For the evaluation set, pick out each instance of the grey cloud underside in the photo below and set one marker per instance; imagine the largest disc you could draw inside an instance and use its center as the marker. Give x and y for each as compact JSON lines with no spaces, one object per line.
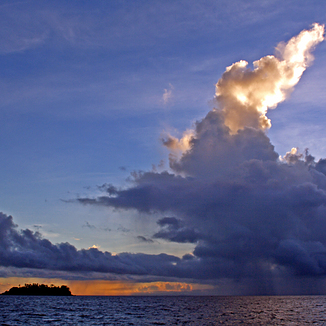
{"x":27,"y":249}
{"x":144,"y":239}
{"x":249,"y":213}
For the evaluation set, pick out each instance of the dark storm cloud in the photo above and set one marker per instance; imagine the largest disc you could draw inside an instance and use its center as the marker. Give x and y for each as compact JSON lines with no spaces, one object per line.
{"x":175,"y":230}
{"x":250,"y":214}
{"x":27,"y":249}
{"x":259,"y":220}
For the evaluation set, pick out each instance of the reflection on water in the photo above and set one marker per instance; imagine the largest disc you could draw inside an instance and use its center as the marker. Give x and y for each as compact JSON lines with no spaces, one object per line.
{"x":287,"y":310}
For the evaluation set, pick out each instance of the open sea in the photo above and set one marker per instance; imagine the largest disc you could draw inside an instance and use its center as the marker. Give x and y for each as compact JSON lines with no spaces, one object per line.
{"x":163,"y":310}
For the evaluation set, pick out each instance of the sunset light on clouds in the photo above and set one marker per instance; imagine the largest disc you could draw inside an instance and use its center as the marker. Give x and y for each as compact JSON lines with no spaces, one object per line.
{"x":143,"y":154}
{"x":108,"y":288}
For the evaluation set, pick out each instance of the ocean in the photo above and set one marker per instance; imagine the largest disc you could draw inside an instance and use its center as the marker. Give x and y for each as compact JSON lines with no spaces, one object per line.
{"x":163,"y":310}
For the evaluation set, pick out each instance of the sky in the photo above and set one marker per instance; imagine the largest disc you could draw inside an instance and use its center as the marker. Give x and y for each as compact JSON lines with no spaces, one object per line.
{"x":153,"y":147}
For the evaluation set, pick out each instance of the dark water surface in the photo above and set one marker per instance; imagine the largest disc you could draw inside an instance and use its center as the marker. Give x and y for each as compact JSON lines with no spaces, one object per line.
{"x":287,"y":310}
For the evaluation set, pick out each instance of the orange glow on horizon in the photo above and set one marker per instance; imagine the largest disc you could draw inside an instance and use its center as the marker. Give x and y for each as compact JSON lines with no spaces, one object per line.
{"x":109,"y":288}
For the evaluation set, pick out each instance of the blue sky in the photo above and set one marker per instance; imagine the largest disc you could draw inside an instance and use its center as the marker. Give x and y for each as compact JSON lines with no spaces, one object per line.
{"x":83,"y":104}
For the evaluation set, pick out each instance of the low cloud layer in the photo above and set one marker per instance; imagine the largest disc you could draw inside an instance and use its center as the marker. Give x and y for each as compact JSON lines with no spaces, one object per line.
{"x":254,"y":217}
{"x":28,"y":249}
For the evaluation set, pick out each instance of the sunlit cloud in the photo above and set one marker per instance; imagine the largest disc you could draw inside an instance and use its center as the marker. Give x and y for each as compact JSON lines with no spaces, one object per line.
{"x":178,"y":146}
{"x":245,"y":95}
{"x":94,"y":247}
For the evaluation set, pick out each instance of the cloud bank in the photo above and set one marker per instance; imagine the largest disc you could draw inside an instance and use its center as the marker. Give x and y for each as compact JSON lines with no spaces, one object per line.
{"x":27,"y":249}
{"x":256,"y":219}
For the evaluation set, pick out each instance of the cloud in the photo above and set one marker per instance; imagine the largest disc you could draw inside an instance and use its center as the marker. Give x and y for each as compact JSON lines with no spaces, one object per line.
{"x":123,"y":229}
{"x":175,"y":230}
{"x":106,"y":229}
{"x":251,"y":214}
{"x":93,"y":227}
{"x":21,"y":30}
{"x":37,"y":227}
{"x":94,"y":247}
{"x":178,"y":146}
{"x":256,"y":219}
{"x":89,"y":226}
{"x":144,"y":239}
{"x":27,"y":249}
{"x":165,"y":287}
{"x":245,"y":95}
{"x":167,"y":96}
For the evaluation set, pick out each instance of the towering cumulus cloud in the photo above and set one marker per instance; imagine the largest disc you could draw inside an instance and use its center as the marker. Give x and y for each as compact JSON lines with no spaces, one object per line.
{"x":245,"y":95}
{"x":257,"y":221}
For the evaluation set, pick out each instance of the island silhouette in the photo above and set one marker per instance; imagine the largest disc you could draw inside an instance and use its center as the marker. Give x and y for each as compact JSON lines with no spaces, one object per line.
{"x":39,"y":289}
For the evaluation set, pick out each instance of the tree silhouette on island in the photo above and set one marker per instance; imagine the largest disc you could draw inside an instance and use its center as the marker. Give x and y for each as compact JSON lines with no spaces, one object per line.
{"x":39,"y":289}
